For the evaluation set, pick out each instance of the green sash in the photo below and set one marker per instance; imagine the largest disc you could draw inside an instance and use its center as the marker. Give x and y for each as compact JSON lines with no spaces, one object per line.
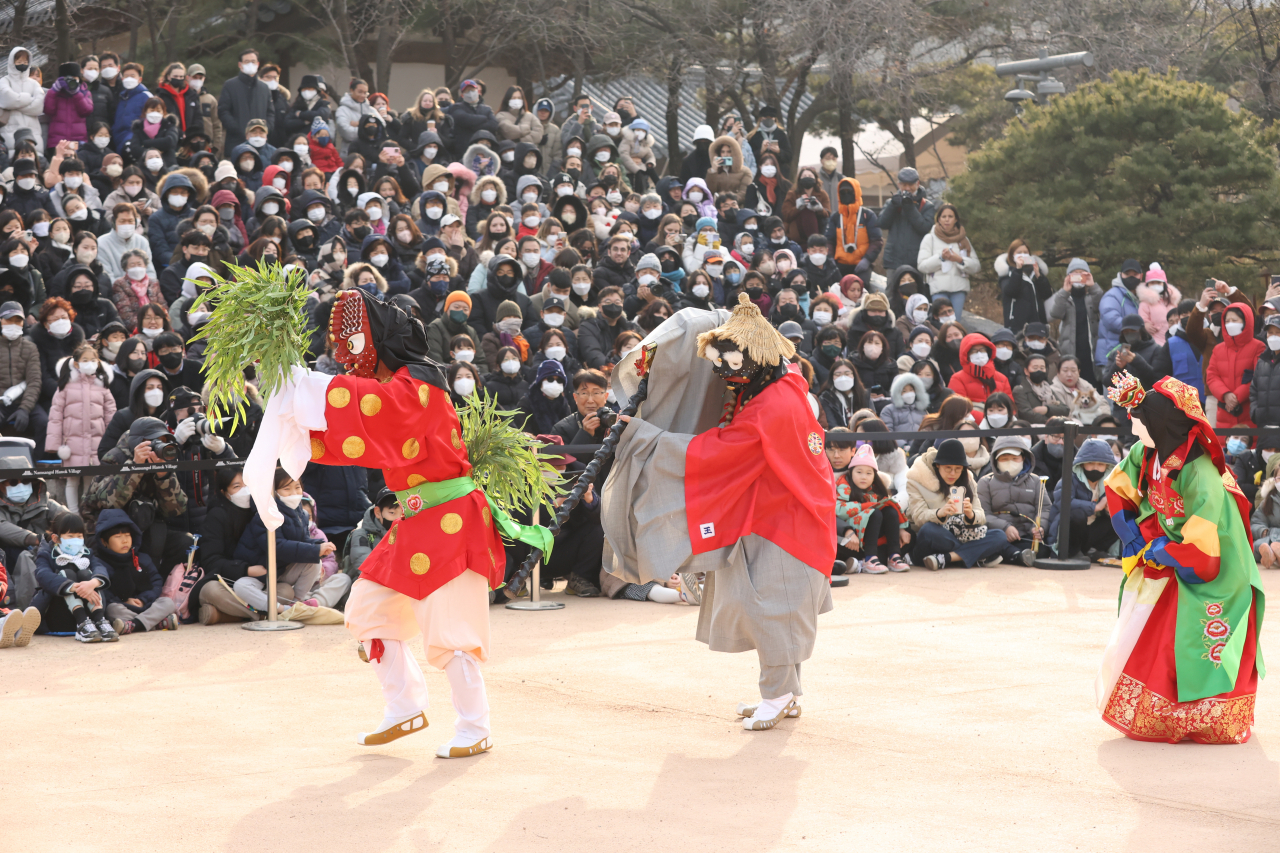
{"x":434,"y":494}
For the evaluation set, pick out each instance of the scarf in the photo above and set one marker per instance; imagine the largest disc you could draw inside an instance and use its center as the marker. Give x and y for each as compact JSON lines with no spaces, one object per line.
{"x":954,"y":235}
{"x":985,"y":374}
{"x":1044,"y":391}
{"x":150,"y":129}
{"x":179,"y":98}
{"x":139,"y":289}
{"x":80,"y":562}
{"x":770,"y":188}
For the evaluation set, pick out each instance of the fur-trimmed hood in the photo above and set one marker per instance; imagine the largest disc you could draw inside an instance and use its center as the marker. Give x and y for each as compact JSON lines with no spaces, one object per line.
{"x":900,"y":384}
{"x":489,"y":181}
{"x":352,"y":272}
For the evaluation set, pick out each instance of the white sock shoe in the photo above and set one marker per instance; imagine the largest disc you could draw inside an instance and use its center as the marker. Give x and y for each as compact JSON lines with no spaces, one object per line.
{"x":405,"y":690}
{"x":471,"y":701}
{"x":768,"y":713}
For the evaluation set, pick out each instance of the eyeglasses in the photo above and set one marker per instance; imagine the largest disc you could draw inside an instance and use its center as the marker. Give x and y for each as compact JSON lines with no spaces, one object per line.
{"x":592,"y":393}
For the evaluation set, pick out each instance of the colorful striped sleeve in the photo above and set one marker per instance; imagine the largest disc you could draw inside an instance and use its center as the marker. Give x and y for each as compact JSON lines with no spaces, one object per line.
{"x":1195,"y":554}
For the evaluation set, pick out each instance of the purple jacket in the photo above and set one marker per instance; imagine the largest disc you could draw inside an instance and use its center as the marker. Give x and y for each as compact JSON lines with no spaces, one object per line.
{"x":67,"y":113}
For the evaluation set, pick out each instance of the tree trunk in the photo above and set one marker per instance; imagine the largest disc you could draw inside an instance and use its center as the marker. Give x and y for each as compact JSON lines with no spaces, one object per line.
{"x":847,"y":128}
{"x":674,"y":158}
{"x":251,"y":22}
{"x":133,"y":39}
{"x":62,"y":29}
{"x":20,"y":22}
{"x":386,"y":44}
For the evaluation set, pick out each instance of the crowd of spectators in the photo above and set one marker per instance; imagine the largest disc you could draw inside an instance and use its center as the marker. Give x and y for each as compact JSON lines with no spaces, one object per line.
{"x":536,"y":254}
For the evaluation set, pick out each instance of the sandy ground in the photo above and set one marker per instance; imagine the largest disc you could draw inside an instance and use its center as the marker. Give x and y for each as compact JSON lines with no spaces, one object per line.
{"x":945,"y":712}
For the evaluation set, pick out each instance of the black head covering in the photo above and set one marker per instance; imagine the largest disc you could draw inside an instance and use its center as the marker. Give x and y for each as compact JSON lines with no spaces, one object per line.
{"x":401,"y":341}
{"x":1168,"y":425}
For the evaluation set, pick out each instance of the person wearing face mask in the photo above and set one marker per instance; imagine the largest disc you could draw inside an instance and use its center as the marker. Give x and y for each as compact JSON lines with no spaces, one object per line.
{"x":505,"y":332}
{"x":559,"y":284}
{"x":1264,"y":390}
{"x":1034,"y":397}
{"x":515,"y":120}
{"x":296,"y":551}
{"x":378,"y":519}
{"x":377,"y":250}
{"x":1012,"y":494}
{"x":453,"y":321}
{"x":78,"y":415}
{"x":909,"y":401}
{"x":769,"y":137}
{"x":1117,"y":303}
{"x":507,"y":385}
{"x":1265,"y":521}
{"x":67,"y":103}
{"x":487,"y":195}
{"x":843,"y":394}
{"x":1024,"y":286}
{"x":920,"y":341}
{"x":1035,"y":341}
{"x":93,"y":312}
{"x":225,"y":520}
{"x":470,"y":117}
{"x":504,"y":283}
{"x":905,"y":218}
{"x":1233,"y":365}
{"x":978,"y":378}
{"x":769,"y":187}
{"x":853,"y":231}
{"x":1137,"y":353}
{"x":23,"y":99}
{"x":546,"y":403}
{"x":1092,"y":533}
{"x":177,"y":197}
{"x":1005,"y":357}
{"x":914,"y":315}
{"x":597,"y":334}
{"x":27,"y":195}
{"x":244,"y":98}
{"x":135,"y":288}
{"x":1157,"y":296}
{"x":21,"y":381}
{"x":74,"y":182}
{"x":819,"y":268}
{"x":554,"y":316}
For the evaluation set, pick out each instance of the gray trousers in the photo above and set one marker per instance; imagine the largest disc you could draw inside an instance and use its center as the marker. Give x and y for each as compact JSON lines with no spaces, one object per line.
{"x":150,"y":618}
{"x":298,"y":582}
{"x":22,"y":580}
{"x":778,"y":681}
{"x":218,"y":596}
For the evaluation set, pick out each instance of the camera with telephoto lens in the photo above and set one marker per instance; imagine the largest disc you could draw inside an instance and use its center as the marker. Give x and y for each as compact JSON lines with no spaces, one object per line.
{"x":165,"y":447}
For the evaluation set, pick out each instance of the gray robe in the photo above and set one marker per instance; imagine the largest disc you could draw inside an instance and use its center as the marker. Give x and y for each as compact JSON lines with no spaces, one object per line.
{"x":756,"y":595}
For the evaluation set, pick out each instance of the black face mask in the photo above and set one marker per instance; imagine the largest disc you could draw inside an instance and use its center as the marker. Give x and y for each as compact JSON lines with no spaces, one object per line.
{"x":1131,"y":337}
{"x":807,"y":183}
{"x":304,"y":241}
{"x":789,"y":312}
{"x":1038,"y":377}
{"x":876,"y":320}
{"x":755,"y":292}
{"x":20,"y":67}
{"x":691,"y":220}
{"x":846,"y":195}
{"x":906,"y":287}
{"x":386,"y":523}
{"x":361,"y":231}
{"x":1094,"y":476}
{"x":1130,"y":281}
{"x":669,"y":264}
{"x":135,"y":365}
{"x":506,"y":280}
{"x":612,"y":310}
{"x":172,"y":360}
{"x":954,"y":345}
{"x":81,"y":299}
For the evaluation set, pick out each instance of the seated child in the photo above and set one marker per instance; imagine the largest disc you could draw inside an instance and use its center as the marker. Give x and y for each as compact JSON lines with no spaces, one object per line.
{"x":865,"y":515}
{"x":134,"y":602}
{"x":71,"y":590}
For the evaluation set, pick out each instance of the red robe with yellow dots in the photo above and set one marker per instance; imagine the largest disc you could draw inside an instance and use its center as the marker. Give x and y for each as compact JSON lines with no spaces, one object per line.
{"x":410,"y":430}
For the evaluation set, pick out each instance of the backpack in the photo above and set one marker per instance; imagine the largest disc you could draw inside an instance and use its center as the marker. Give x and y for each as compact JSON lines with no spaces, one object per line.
{"x":178,"y":587}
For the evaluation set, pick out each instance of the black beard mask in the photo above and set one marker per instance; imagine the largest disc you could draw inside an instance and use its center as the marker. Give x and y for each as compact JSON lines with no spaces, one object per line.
{"x":748,"y":370}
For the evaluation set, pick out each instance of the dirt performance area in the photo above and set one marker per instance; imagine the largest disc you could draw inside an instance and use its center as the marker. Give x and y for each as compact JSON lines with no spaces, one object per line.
{"x":943,"y":712}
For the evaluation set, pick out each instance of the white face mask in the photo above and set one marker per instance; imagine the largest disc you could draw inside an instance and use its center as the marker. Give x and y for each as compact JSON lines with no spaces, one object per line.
{"x":602,"y":156}
{"x":307,"y":94}
{"x":872,"y":351}
{"x":195,"y":84}
{"x":582,"y":288}
{"x":375,"y":214}
{"x":1003,"y":353}
{"x":511,"y":367}
{"x":463,"y":386}
{"x":102,"y":141}
{"x":555,"y":353}
{"x":435,"y":212}
{"x":508,"y":156}
{"x":531,"y":259}
{"x":19,"y":261}
{"x":270,"y":208}
{"x":125,"y":231}
{"x":315,"y":214}
{"x":301,"y":150}
{"x":573,"y":151}
{"x":612,"y":129}
{"x":272,"y":84}
{"x":151,"y":333}
{"x":404,"y":235}
{"x":843,"y":382}
{"x":1235,"y":328}
{"x":464,"y":355}
{"x":563,"y":190}
{"x":240,"y":498}
{"x":1273,"y":343}
{"x":488,"y":196}
{"x":11,"y":332}
{"x":178,"y":200}
{"x":715,"y":270}
{"x":768,"y":171}
{"x":701,"y":291}
{"x":79,"y":215}
{"x":26,"y":183}
{"x":822,"y":318}
{"x":532,"y":221}
{"x":291,"y":501}
{"x":695,"y":196}
{"x":110,"y":72}
{"x":928,"y":381}
{"x":90,"y":75}
{"x":1012,"y":467}
{"x":471,"y":96}
{"x":996,"y":420}
{"x":250,"y":68}
{"x":86,"y":256}
{"x":430,"y":152}
{"x":88,"y":368}
{"x":817,"y":260}
{"x":553,"y":320}
{"x":970,"y":445}
{"x":130,"y":82}
{"x":908,"y":398}
{"x":441,"y":186}
{"x":286,"y":166}
{"x":921,"y":349}
{"x":73,"y":182}
{"x":515,"y":103}
{"x":379,"y":260}
{"x":136,"y":273}
{"x":552,"y":389}
{"x":1036,"y":345}
{"x":154,"y":117}
{"x":920,"y":315}
{"x":979,"y":359}
{"x":613,"y":197}
{"x":257,"y":141}
{"x":153,"y":397}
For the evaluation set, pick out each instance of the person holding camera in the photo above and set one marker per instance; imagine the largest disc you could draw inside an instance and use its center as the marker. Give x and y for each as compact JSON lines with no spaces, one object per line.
{"x":196,"y":439}
{"x":594,"y":415}
{"x":154,"y":500}
{"x":905,"y":218}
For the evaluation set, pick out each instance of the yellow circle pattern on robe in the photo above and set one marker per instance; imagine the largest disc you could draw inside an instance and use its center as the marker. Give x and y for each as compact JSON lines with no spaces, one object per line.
{"x":493,"y":561}
{"x":415,"y":480}
{"x":420,"y":563}
{"x":424,"y":395}
{"x":484,"y":513}
{"x":317,"y":448}
{"x":370,"y":404}
{"x":453,"y":436}
{"x":339,"y":397}
{"x":411,"y":448}
{"x":451,"y":522}
{"x":391,"y":537}
{"x":353,"y":447}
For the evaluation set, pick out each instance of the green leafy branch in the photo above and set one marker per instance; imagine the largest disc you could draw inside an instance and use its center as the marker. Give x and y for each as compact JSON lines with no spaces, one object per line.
{"x":506,"y":462}
{"x":258,"y":317}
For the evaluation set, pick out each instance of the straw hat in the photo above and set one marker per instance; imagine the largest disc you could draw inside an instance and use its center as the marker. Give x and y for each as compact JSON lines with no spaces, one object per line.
{"x":752,"y":333}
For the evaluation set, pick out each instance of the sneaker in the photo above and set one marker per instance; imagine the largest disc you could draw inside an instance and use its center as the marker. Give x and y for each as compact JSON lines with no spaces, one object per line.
{"x":854,"y":566}
{"x":87,"y":632}
{"x":990,"y":561}
{"x":873,"y":566}
{"x":1027,"y":557}
{"x":108,"y":633}
{"x":897,"y":564}
{"x":839,"y":567}
{"x":312,"y":602}
{"x":168,"y":623}
{"x":124,"y":626}
{"x":9,"y":628}
{"x":581,"y":587}
{"x":934,"y":562}
{"x":690,"y":589}
{"x":30,"y":622}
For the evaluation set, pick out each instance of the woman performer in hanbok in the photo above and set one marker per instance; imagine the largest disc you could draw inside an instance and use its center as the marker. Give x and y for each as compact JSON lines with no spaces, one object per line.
{"x":1183,"y":661}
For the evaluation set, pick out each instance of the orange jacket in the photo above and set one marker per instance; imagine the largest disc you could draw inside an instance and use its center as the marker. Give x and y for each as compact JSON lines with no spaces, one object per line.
{"x":853,"y":225}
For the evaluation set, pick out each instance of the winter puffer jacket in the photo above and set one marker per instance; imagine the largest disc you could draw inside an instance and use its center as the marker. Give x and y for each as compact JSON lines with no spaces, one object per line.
{"x":1084,"y":495}
{"x":1116,"y":304}
{"x":67,"y":112}
{"x":1264,"y":390}
{"x":1023,"y":294}
{"x":926,"y":495}
{"x":1155,"y":307}
{"x":341,"y":495}
{"x":1265,"y":521}
{"x":1014,"y":500}
{"x":965,"y":381}
{"x":361,"y":542}
{"x":23,"y":99}
{"x":293,"y":539}
{"x":20,"y":362}
{"x":79,"y":416}
{"x":736,"y":178}
{"x":1232,"y":366}
{"x":900,"y":417}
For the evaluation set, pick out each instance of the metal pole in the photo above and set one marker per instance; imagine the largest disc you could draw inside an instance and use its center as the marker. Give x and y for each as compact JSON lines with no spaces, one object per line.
{"x":273,"y":622}
{"x":1063,"y":561}
{"x":535,"y":601}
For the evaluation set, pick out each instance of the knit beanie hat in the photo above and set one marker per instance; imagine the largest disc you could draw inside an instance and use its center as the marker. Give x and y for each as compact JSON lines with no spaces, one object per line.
{"x":1078,"y":264}
{"x":951,"y":452}
{"x":1156,"y":273}
{"x":649,"y":262}
{"x":864,"y":455}
{"x":457,"y":296}
{"x":507,"y":308}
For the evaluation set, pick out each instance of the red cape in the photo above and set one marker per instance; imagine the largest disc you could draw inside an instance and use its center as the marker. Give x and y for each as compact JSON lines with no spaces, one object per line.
{"x":765,"y":473}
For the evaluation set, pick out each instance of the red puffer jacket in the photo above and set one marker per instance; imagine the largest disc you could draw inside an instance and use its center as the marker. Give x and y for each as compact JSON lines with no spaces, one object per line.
{"x":1231,"y":367}
{"x":978,"y":383}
